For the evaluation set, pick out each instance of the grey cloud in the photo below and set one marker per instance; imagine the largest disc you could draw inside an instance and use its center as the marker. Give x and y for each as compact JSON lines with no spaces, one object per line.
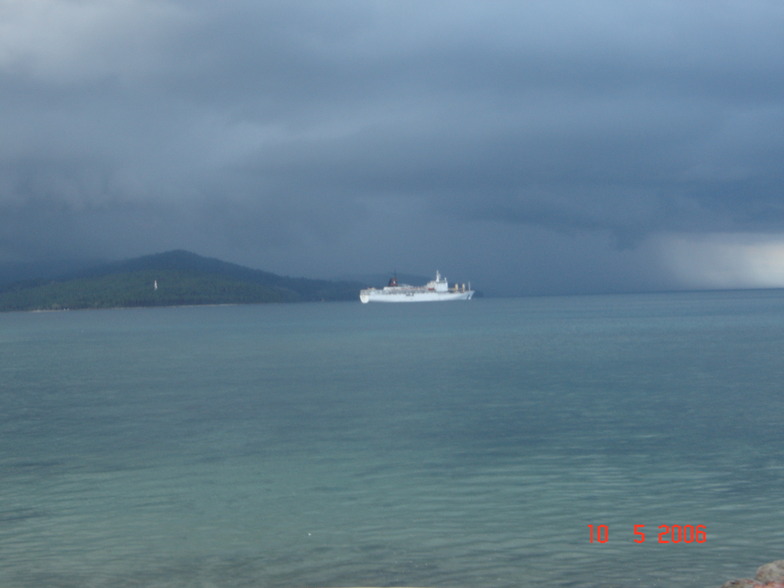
{"x":289,"y":136}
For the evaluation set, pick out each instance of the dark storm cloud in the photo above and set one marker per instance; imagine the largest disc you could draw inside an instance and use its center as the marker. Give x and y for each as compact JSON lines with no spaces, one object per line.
{"x":353,"y":136}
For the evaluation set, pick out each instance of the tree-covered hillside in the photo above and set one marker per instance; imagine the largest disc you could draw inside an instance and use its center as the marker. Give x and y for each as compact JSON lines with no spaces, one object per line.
{"x":168,"y":279}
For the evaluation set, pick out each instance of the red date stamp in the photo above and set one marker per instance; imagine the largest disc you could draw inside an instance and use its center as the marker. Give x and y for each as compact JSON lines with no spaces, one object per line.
{"x":666,"y":533}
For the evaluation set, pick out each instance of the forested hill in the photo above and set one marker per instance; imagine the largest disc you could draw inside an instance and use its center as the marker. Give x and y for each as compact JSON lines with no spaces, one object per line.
{"x":168,"y":279}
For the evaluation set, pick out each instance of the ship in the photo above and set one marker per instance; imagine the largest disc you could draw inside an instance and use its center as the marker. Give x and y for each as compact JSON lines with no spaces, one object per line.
{"x":437,"y":290}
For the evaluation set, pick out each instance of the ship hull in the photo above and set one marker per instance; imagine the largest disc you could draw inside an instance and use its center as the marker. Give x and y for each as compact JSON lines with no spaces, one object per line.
{"x":366,"y":296}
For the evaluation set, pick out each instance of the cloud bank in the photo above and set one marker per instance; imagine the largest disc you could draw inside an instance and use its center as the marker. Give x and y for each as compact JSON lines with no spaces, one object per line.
{"x":534,"y":147}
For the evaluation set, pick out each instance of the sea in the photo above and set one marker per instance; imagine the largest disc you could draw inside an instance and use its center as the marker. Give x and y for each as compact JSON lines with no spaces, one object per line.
{"x":614,"y":441}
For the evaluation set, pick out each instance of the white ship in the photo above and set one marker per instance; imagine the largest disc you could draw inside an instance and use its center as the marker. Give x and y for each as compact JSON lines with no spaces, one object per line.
{"x":434,"y":291}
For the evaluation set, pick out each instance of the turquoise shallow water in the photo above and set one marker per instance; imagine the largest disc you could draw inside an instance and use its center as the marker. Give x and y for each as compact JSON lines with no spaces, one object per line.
{"x":456,"y":445}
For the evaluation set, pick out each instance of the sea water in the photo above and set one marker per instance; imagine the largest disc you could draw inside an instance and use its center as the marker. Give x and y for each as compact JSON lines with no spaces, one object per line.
{"x":469,"y":444}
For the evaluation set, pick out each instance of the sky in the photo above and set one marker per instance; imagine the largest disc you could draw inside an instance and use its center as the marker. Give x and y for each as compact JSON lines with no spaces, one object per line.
{"x":529,"y":146}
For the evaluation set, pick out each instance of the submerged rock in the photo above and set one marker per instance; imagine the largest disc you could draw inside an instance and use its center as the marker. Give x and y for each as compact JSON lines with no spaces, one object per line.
{"x":740,"y":583}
